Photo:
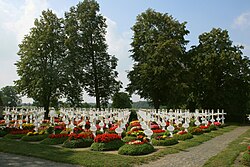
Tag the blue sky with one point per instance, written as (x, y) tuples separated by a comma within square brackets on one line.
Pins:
[(17, 17)]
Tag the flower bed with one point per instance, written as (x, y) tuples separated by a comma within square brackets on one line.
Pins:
[(183, 136), (195, 131), (38, 137), (106, 142), (54, 139), (14, 136), (164, 141), (128, 138), (136, 148), (16, 133), (81, 140)]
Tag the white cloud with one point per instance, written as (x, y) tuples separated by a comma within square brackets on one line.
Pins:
[(242, 21), (23, 17)]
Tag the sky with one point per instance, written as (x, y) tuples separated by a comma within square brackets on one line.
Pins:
[(17, 17)]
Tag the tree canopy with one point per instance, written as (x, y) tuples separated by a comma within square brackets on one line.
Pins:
[(158, 49), (220, 75), (121, 100), (41, 53), (9, 97)]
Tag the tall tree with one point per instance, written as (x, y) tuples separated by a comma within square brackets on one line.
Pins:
[(121, 100), (40, 66), (158, 49), (221, 76), (9, 97), (85, 29)]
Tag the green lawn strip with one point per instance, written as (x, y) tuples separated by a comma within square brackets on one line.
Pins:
[(93, 158), (230, 153)]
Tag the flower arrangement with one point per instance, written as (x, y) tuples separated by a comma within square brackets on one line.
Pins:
[(106, 137), (159, 131), (182, 132), (19, 131), (28, 126), (82, 140), (217, 123), (135, 123), (85, 135), (52, 136)]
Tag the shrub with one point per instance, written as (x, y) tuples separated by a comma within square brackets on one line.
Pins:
[(112, 145), (54, 141), (183, 137), (78, 143), (34, 137), (246, 158), (14, 136), (164, 142), (212, 127), (3, 133), (195, 131), (129, 138), (136, 149)]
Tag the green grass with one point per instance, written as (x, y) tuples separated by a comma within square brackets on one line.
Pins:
[(229, 154), (93, 158)]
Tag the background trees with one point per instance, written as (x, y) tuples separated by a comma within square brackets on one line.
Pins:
[(158, 49), (121, 100), (9, 97), (41, 53)]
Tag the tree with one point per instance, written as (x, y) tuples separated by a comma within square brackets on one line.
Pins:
[(85, 29), (158, 49), (220, 74), (40, 66), (9, 97), (121, 100)]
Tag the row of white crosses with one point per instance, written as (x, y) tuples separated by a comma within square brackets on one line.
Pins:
[(179, 117), (32, 115), (82, 115)]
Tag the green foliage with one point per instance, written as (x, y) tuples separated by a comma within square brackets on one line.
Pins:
[(223, 72), (40, 66), (158, 49), (14, 136), (195, 130), (165, 142), (3, 133), (136, 149), (112, 145), (79, 143), (183, 137), (54, 141), (246, 158), (90, 67), (133, 116), (129, 138), (9, 96), (34, 137), (121, 100)]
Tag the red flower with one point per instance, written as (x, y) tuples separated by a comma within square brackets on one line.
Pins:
[(182, 132), (158, 131), (217, 123), (86, 135), (204, 127), (106, 137), (52, 136)]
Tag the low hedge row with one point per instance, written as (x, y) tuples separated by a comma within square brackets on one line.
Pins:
[(79, 143), (34, 137), (136, 149), (54, 141), (165, 142), (112, 145)]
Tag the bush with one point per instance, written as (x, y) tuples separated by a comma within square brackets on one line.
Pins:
[(212, 127), (14, 136), (136, 149), (3, 133), (195, 131), (183, 137), (165, 142), (34, 137), (133, 115), (129, 138), (112, 145), (79, 143), (54, 141)]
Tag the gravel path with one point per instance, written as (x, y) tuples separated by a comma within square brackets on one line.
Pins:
[(7, 160), (197, 156)]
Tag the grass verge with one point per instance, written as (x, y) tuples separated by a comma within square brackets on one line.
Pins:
[(93, 158), (231, 152)]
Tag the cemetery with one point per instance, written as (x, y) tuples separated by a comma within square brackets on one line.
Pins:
[(144, 133)]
